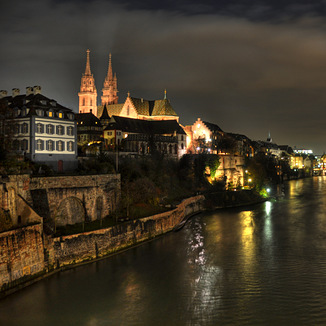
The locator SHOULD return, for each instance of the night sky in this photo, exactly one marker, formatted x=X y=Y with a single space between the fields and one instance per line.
x=249 y=66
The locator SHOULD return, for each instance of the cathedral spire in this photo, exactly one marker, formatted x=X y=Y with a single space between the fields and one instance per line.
x=109 y=76
x=88 y=65
x=88 y=94
x=110 y=89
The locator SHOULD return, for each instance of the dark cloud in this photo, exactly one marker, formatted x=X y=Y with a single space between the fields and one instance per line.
x=247 y=73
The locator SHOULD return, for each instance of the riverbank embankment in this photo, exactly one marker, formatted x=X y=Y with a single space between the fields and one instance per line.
x=28 y=254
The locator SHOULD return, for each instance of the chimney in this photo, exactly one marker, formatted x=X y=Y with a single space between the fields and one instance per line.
x=29 y=90
x=15 y=92
x=37 y=90
x=3 y=93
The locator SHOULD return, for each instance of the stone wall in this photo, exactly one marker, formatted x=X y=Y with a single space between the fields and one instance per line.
x=27 y=252
x=60 y=200
x=21 y=255
x=91 y=245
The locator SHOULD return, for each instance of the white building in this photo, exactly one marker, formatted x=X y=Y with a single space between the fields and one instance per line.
x=43 y=130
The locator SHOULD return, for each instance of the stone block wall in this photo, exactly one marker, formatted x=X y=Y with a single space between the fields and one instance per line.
x=21 y=255
x=91 y=245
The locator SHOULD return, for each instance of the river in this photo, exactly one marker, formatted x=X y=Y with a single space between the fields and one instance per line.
x=261 y=265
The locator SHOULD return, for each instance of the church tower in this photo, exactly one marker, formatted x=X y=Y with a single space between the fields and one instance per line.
x=110 y=89
x=88 y=93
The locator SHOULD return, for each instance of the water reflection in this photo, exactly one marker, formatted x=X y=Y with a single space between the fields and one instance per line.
x=262 y=266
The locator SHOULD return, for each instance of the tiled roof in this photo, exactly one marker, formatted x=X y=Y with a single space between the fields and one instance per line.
x=114 y=109
x=212 y=127
x=34 y=102
x=143 y=107
x=163 y=107
x=87 y=119
x=153 y=108
x=145 y=126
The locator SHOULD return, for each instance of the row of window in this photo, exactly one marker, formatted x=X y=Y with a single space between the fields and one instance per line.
x=20 y=145
x=49 y=129
x=41 y=145
x=51 y=145
x=40 y=112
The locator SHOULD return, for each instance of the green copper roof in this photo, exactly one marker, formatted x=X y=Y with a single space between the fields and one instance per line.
x=163 y=107
x=153 y=108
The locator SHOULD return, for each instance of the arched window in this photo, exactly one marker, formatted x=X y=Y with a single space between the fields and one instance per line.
x=83 y=102
x=91 y=102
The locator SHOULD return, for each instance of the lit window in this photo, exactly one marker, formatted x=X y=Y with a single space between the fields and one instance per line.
x=50 y=114
x=198 y=126
x=60 y=115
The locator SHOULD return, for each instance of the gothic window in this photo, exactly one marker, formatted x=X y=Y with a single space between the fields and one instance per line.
x=128 y=110
x=39 y=145
x=40 y=128
x=182 y=146
x=181 y=137
x=91 y=103
x=175 y=149
x=83 y=102
x=170 y=149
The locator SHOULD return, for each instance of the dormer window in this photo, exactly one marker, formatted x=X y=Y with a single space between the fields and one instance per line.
x=70 y=116
x=43 y=102
x=50 y=113
x=60 y=115
x=53 y=103
x=39 y=112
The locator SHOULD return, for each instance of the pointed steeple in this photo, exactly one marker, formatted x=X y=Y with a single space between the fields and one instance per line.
x=88 y=93
x=88 y=65
x=109 y=76
x=110 y=89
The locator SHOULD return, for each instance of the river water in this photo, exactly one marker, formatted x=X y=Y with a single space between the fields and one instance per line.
x=262 y=265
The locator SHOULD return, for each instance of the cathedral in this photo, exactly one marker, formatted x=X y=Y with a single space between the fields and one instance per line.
x=132 y=107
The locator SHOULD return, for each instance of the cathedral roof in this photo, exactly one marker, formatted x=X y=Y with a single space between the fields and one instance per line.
x=152 y=108
x=143 y=107
x=114 y=109
x=163 y=107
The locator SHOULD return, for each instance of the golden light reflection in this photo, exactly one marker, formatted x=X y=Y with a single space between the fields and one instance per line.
x=248 y=245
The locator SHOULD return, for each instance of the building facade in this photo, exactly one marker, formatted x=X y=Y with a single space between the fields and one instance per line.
x=144 y=137
x=41 y=129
